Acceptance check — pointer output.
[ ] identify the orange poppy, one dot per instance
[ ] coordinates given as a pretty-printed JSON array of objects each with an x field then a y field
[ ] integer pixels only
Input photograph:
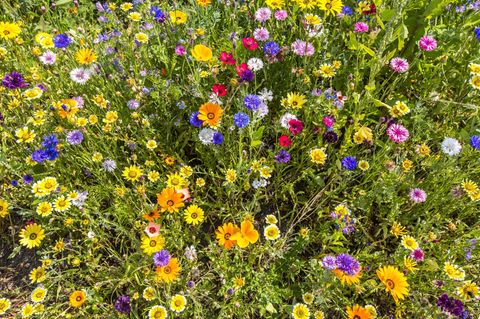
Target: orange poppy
[
  {"x": 210, "y": 113},
  {"x": 169, "y": 200},
  {"x": 247, "y": 234},
  {"x": 224, "y": 234}
]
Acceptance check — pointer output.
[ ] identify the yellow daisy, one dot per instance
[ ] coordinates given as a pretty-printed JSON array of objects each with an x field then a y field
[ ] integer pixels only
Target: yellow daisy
[
  {"x": 32, "y": 235},
  {"x": 178, "y": 303}
]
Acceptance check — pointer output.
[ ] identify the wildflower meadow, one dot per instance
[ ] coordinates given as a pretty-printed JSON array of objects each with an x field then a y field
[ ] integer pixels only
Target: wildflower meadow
[{"x": 240, "y": 159}]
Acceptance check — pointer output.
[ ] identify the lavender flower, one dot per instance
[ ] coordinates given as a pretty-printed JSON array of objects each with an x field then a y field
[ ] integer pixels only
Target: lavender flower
[
  {"x": 161, "y": 258},
  {"x": 75, "y": 137}
]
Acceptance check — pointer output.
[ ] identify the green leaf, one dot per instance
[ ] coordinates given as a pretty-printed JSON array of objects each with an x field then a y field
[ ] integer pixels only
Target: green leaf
[
  {"x": 257, "y": 135},
  {"x": 367, "y": 50},
  {"x": 387, "y": 14},
  {"x": 352, "y": 44},
  {"x": 62, "y": 2}
]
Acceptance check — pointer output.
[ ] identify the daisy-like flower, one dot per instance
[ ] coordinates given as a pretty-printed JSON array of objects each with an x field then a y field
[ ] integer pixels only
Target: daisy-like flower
[
  {"x": 300, "y": 311},
  {"x": 399, "y": 65},
  {"x": 48, "y": 58},
  {"x": 303, "y": 48},
  {"x": 427, "y": 43},
  {"x": 409, "y": 242},
  {"x": 271, "y": 232}
]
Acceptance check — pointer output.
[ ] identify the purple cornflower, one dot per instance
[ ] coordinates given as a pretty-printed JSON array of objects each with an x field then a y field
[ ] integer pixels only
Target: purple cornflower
[
  {"x": 282, "y": 157},
  {"x": 303, "y": 48},
  {"x": 161, "y": 258},
  {"x": 247, "y": 76},
  {"x": 261, "y": 34},
  {"x": 241, "y": 120},
  {"x": 360, "y": 27},
  {"x": 123, "y": 304},
  {"x": 281, "y": 15},
  {"x": 217, "y": 138},
  {"x": 133, "y": 104},
  {"x": 329, "y": 262},
  {"x": 75, "y": 137},
  {"x": 347, "y": 264},
  {"x": 27, "y": 179},
  {"x": 450, "y": 305},
  {"x": 418, "y": 195},
  {"x": 263, "y": 14},
  {"x": 475, "y": 141},
  {"x": 14, "y": 80},
  {"x": 399, "y": 65},
  {"x": 109, "y": 165},
  {"x": 252, "y": 102},
  {"x": 427, "y": 43},
  {"x": 271, "y": 48}
]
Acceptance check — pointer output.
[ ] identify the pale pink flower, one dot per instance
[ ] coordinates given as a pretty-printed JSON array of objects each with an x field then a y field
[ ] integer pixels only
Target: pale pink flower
[
  {"x": 399, "y": 65},
  {"x": 152, "y": 229}
]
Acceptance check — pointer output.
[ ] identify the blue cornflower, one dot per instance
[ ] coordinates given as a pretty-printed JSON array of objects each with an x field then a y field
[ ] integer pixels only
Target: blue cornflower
[
  {"x": 252, "y": 102},
  {"x": 347, "y": 264},
  {"x": 329, "y": 262},
  {"x": 349, "y": 163},
  {"x": 39, "y": 156},
  {"x": 475, "y": 142},
  {"x": 271, "y": 48},
  {"x": 347, "y": 10},
  {"x": 75, "y": 137},
  {"x": 247, "y": 76},
  {"x": 51, "y": 153},
  {"x": 241, "y": 120},
  {"x": 14, "y": 183},
  {"x": 282, "y": 157},
  {"x": 161, "y": 258},
  {"x": 62, "y": 41},
  {"x": 477, "y": 33},
  {"x": 217, "y": 138},
  {"x": 50, "y": 140},
  {"x": 194, "y": 120},
  {"x": 158, "y": 14},
  {"x": 27, "y": 179}
]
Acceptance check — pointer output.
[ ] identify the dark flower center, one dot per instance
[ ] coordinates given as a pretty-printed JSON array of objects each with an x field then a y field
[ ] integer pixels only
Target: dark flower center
[
  {"x": 211, "y": 116},
  {"x": 170, "y": 203},
  {"x": 153, "y": 243},
  {"x": 390, "y": 284},
  {"x": 33, "y": 236}
]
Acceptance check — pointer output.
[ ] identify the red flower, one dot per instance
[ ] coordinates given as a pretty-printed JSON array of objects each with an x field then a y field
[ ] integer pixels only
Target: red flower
[
  {"x": 372, "y": 10},
  {"x": 227, "y": 58},
  {"x": 241, "y": 68},
  {"x": 296, "y": 126},
  {"x": 284, "y": 141},
  {"x": 219, "y": 89},
  {"x": 250, "y": 43}
]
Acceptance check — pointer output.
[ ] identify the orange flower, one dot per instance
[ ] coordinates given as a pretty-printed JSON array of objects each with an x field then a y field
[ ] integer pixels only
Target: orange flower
[
  {"x": 210, "y": 113},
  {"x": 247, "y": 234},
  {"x": 170, "y": 200},
  {"x": 152, "y": 215},
  {"x": 348, "y": 279},
  {"x": 224, "y": 234},
  {"x": 358, "y": 312},
  {"x": 169, "y": 272}
]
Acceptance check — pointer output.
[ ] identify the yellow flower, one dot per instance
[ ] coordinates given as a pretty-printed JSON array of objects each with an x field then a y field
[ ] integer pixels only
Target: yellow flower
[
  {"x": 153, "y": 176},
  {"x": 44, "y": 209},
  {"x": 200, "y": 182},
  {"x": 39, "y": 294},
  {"x": 474, "y": 68},
  {"x": 423, "y": 150},
  {"x": 475, "y": 82},
  {"x": 266, "y": 172},
  {"x": 363, "y": 165},
  {"x": 397, "y": 230},
  {"x": 47, "y": 42},
  {"x": 132, "y": 173},
  {"x": 186, "y": 171},
  {"x": 3, "y": 208},
  {"x": 4, "y": 305},
  {"x": 454, "y": 272},
  {"x": 407, "y": 165},
  {"x": 275, "y": 4},
  {"x": 312, "y": 19},
  {"x": 151, "y": 245},
  {"x": 178, "y": 17},
  {"x": 469, "y": 186},
  {"x": 231, "y": 176},
  {"x": 468, "y": 291},
  {"x": 62, "y": 204},
  {"x": 194, "y": 215},
  {"x": 204, "y": 3},
  {"x": 157, "y": 312},
  {"x": 300, "y": 311},
  {"x": 126, "y": 6},
  {"x": 247, "y": 234},
  {"x": 149, "y": 293},
  {"x": 135, "y": 16},
  {"x": 37, "y": 275},
  {"x": 27, "y": 310},
  {"x": 330, "y": 6},
  {"x": 111, "y": 117},
  {"x": 271, "y": 219},
  {"x": 409, "y": 264},
  {"x": 176, "y": 181},
  {"x": 32, "y": 94},
  {"x": 326, "y": 71},
  {"x": 178, "y": 303},
  {"x": 319, "y": 314},
  {"x": 271, "y": 232},
  {"x": 202, "y": 53},
  {"x": 77, "y": 298},
  {"x": 306, "y": 4},
  {"x": 295, "y": 100},
  {"x": 85, "y": 56},
  {"x": 169, "y": 272},
  {"x": 141, "y": 37},
  {"x": 409, "y": 242},
  {"x": 318, "y": 156},
  {"x": 151, "y": 144},
  {"x": 9, "y": 30},
  {"x": 32, "y": 235},
  {"x": 395, "y": 282},
  {"x": 348, "y": 279}
]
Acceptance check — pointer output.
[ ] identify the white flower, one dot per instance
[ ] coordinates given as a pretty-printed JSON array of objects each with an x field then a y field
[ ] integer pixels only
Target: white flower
[
  {"x": 262, "y": 111},
  {"x": 255, "y": 64},
  {"x": 213, "y": 98},
  {"x": 285, "y": 119},
  {"x": 451, "y": 146},
  {"x": 91, "y": 234},
  {"x": 48, "y": 58},
  {"x": 206, "y": 135},
  {"x": 191, "y": 253},
  {"x": 265, "y": 95},
  {"x": 80, "y": 75},
  {"x": 259, "y": 183}
]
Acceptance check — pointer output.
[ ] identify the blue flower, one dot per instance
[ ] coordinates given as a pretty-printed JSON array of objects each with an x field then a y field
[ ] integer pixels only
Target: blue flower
[
  {"x": 252, "y": 102},
  {"x": 241, "y": 120},
  {"x": 75, "y": 137},
  {"x": 475, "y": 141},
  {"x": 347, "y": 264},
  {"x": 27, "y": 179},
  {"x": 217, "y": 138},
  {"x": 282, "y": 157},
  {"x": 349, "y": 163},
  {"x": 271, "y": 48},
  {"x": 50, "y": 140},
  {"x": 194, "y": 120},
  {"x": 39, "y": 156},
  {"x": 158, "y": 14},
  {"x": 347, "y": 10},
  {"x": 51, "y": 153},
  {"x": 247, "y": 76},
  {"x": 161, "y": 258},
  {"x": 477, "y": 33},
  {"x": 62, "y": 41}
]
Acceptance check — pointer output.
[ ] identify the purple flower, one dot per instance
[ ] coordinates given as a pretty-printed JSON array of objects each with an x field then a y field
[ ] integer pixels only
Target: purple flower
[
  {"x": 261, "y": 34},
  {"x": 133, "y": 104},
  {"x": 109, "y": 165},
  {"x": 39, "y": 156},
  {"x": 27, "y": 179},
  {"x": 247, "y": 76},
  {"x": 330, "y": 137},
  {"x": 417, "y": 254},
  {"x": 281, "y": 15},
  {"x": 450, "y": 305},
  {"x": 14, "y": 80},
  {"x": 349, "y": 162},
  {"x": 427, "y": 43},
  {"x": 180, "y": 50},
  {"x": 123, "y": 304},
  {"x": 62, "y": 41},
  {"x": 75, "y": 137},
  {"x": 329, "y": 262},
  {"x": 360, "y": 27},
  {"x": 347, "y": 264},
  {"x": 399, "y": 65},
  {"x": 303, "y": 48},
  {"x": 161, "y": 258},
  {"x": 418, "y": 195},
  {"x": 263, "y": 14},
  {"x": 282, "y": 157},
  {"x": 252, "y": 102},
  {"x": 475, "y": 142}
]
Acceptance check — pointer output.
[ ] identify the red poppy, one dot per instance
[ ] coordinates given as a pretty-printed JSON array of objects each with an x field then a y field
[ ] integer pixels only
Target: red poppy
[
  {"x": 295, "y": 126},
  {"x": 250, "y": 43},
  {"x": 227, "y": 58},
  {"x": 284, "y": 141},
  {"x": 219, "y": 89}
]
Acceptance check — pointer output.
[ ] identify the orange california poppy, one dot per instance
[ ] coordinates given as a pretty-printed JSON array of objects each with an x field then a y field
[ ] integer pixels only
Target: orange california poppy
[
  {"x": 247, "y": 234},
  {"x": 210, "y": 113},
  {"x": 169, "y": 200},
  {"x": 224, "y": 234}
]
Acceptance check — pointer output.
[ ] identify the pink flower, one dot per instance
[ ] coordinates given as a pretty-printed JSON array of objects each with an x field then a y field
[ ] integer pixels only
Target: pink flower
[
  {"x": 361, "y": 27},
  {"x": 263, "y": 14},
  {"x": 185, "y": 193},
  {"x": 427, "y": 43},
  {"x": 418, "y": 195},
  {"x": 180, "y": 50},
  {"x": 295, "y": 126},
  {"x": 328, "y": 121},
  {"x": 303, "y": 48},
  {"x": 281, "y": 15},
  {"x": 261, "y": 34},
  {"x": 399, "y": 65},
  {"x": 417, "y": 254},
  {"x": 152, "y": 229},
  {"x": 397, "y": 133}
]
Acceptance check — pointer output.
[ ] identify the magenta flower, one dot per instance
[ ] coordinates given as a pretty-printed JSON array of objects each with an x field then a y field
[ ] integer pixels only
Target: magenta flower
[
  {"x": 418, "y": 195},
  {"x": 427, "y": 43},
  {"x": 360, "y": 27},
  {"x": 281, "y": 15},
  {"x": 399, "y": 65},
  {"x": 397, "y": 133},
  {"x": 180, "y": 50},
  {"x": 417, "y": 254}
]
